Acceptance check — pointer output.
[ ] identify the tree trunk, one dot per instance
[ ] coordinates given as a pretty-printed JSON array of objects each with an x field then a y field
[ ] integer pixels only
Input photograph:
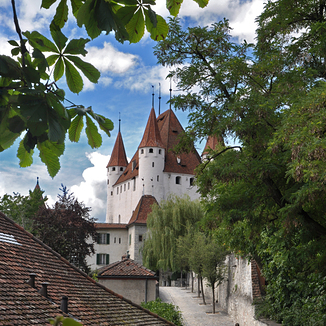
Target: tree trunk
[
  {"x": 198, "y": 286},
  {"x": 181, "y": 278},
  {"x": 202, "y": 289},
  {"x": 213, "y": 299},
  {"x": 192, "y": 282}
]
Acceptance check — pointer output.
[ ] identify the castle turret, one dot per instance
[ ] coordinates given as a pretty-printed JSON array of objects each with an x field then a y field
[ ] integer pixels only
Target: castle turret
[
  {"x": 115, "y": 168},
  {"x": 211, "y": 144},
  {"x": 151, "y": 155}
]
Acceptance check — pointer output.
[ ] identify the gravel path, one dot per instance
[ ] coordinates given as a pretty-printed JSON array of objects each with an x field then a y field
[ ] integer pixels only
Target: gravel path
[{"x": 193, "y": 311}]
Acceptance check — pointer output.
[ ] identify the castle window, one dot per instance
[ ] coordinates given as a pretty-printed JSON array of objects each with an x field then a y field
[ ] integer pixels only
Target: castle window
[
  {"x": 158, "y": 178},
  {"x": 117, "y": 190},
  {"x": 178, "y": 180},
  {"x": 103, "y": 238},
  {"x": 152, "y": 164},
  {"x": 121, "y": 168},
  {"x": 103, "y": 259},
  {"x": 128, "y": 185},
  {"x": 113, "y": 169},
  {"x": 129, "y": 239},
  {"x": 141, "y": 151},
  {"x": 119, "y": 219},
  {"x": 119, "y": 240},
  {"x": 121, "y": 189},
  {"x": 151, "y": 150},
  {"x": 192, "y": 181},
  {"x": 134, "y": 185},
  {"x": 108, "y": 181},
  {"x": 159, "y": 151},
  {"x": 140, "y": 238},
  {"x": 115, "y": 240},
  {"x": 133, "y": 164},
  {"x": 124, "y": 187},
  {"x": 111, "y": 193}
]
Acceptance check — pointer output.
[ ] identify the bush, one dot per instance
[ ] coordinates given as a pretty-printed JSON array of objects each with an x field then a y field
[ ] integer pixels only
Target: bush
[{"x": 164, "y": 310}]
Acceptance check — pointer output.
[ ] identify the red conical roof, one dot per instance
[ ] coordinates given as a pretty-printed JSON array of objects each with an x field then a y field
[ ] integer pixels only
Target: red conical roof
[
  {"x": 118, "y": 156},
  {"x": 152, "y": 137},
  {"x": 212, "y": 142}
]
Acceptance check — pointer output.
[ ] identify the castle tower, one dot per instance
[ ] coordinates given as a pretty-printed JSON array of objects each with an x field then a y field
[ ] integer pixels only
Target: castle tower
[
  {"x": 151, "y": 155},
  {"x": 115, "y": 168},
  {"x": 211, "y": 144}
]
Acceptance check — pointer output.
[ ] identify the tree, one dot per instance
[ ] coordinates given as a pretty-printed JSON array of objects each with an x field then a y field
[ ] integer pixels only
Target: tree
[
  {"x": 67, "y": 228},
  {"x": 30, "y": 100},
  {"x": 166, "y": 223},
  {"x": 263, "y": 197},
  {"x": 22, "y": 209}
]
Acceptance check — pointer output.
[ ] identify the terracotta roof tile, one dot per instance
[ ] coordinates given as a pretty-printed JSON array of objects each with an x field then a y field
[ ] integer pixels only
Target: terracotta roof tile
[
  {"x": 211, "y": 143},
  {"x": 118, "y": 156},
  {"x": 125, "y": 268},
  {"x": 100, "y": 226},
  {"x": 151, "y": 137},
  {"x": 90, "y": 302},
  {"x": 144, "y": 207}
]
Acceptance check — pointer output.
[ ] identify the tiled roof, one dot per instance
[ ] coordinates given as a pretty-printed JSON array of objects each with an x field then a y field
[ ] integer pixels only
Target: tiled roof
[
  {"x": 118, "y": 156},
  {"x": 144, "y": 207},
  {"x": 100, "y": 226},
  {"x": 151, "y": 137},
  {"x": 169, "y": 128},
  {"x": 125, "y": 268},
  {"x": 89, "y": 302},
  {"x": 212, "y": 142}
]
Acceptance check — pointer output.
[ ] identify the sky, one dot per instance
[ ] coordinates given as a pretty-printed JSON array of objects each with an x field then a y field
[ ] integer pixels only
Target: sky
[{"x": 128, "y": 72}]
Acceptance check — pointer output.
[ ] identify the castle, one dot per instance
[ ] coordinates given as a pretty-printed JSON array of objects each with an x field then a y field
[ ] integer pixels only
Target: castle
[{"x": 153, "y": 173}]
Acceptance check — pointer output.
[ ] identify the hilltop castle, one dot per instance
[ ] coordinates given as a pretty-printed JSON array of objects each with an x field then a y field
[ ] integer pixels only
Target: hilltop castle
[{"x": 153, "y": 173}]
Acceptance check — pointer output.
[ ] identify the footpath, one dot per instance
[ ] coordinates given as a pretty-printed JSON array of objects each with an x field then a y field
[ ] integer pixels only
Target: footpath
[{"x": 194, "y": 313}]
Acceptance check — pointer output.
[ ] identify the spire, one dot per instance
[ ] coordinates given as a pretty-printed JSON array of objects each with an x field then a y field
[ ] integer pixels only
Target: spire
[
  {"x": 119, "y": 121},
  {"x": 153, "y": 97},
  {"x": 118, "y": 156},
  {"x": 152, "y": 137},
  {"x": 212, "y": 143},
  {"x": 37, "y": 184},
  {"x": 170, "y": 91},
  {"x": 159, "y": 98}
]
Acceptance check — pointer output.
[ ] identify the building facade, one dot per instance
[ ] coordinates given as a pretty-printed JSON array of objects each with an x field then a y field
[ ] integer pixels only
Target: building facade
[{"x": 153, "y": 174}]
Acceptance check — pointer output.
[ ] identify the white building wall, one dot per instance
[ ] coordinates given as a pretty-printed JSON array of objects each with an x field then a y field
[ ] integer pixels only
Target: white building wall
[
  {"x": 134, "y": 248},
  {"x": 116, "y": 249}
]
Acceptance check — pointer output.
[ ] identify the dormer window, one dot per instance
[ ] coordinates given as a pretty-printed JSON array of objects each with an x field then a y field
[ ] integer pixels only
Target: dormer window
[
  {"x": 178, "y": 160},
  {"x": 151, "y": 150},
  {"x": 133, "y": 164}
]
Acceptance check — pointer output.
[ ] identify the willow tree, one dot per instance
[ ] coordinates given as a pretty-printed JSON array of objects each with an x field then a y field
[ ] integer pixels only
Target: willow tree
[{"x": 166, "y": 223}]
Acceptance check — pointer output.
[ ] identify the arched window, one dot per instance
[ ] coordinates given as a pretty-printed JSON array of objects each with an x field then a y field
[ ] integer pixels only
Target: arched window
[{"x": 151, "y": 150}]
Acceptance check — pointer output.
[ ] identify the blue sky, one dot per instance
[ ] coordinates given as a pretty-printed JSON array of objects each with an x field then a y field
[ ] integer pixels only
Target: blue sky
[{"x": 128, "y": 72}]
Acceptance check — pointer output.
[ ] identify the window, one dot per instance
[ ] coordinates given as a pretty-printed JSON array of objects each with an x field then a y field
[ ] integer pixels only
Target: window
[
  {"x": 140, "y": 238},
  {"x": 121, "y": 168},
  {"x": 108, "y": 181},
  {"x": 178, "y": 180},
  {"x": 128, "y": 185},
  {"x": 111, "y": 193},
  {"x": 151, "y": 150},
  {"x": 191, "y": 181},
  {"x": 119, "y": 240},
  {"x": 119, "y": 219},
  {"x": 124, "y": 187},
  {"x": 141, "y": 151},
  {"x": 121, "y": 189},
  {"x": 113, "y": 169},
  {"x": 102, "y": 259},
  {"x": 117, "y": 190},
  {"x": 158, "y": 178},
  {"x": 103, "y": 238},
  {"x": 115, "y": 240},
  {"x": 134, "y": 186},
  {"x": 129, "y": 239},
  {"x": 133, "y": 164},
  {"x": 159, "y": 151},
  {"x": 152, "y": 164}
]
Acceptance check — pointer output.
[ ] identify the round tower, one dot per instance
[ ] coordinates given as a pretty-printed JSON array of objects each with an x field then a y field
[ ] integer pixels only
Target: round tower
[
  {"x": 116, "y": 166},
  {"x": 151, "y": 155}
]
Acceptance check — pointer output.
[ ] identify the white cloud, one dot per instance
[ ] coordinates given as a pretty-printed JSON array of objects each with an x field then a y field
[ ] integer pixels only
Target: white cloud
[
  {"x": 109, "y": 59},
  {"x": 92, "y": 191}
]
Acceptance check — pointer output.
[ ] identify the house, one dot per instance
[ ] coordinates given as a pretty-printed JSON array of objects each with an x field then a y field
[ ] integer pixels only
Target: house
[
  {"x": 153, "y": 174},
  {"x": 37, "y": 284},
  {"x": 130, "y": 279}
]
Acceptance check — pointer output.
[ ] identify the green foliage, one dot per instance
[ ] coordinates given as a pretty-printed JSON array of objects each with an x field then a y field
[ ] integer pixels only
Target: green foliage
[
  {"x": 166, "y": 223},
  {"x": 64, "y": 321},
  {"x": 30, "y": 100},
  {"x": 263, "y": 198},
  {"x": 165, "y": 310},
  {"x": 22, "y": 209}
]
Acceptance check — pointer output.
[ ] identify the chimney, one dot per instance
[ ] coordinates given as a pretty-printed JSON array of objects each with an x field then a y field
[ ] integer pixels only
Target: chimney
[
  {"x": 31, "y": 280},
  {"x": 44, "y": 289},
  {"x": 64, "y": 304}
]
